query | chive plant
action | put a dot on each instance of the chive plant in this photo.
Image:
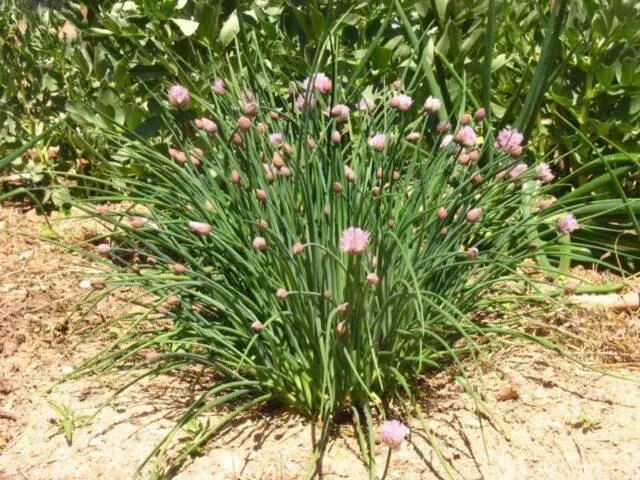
(316, 250)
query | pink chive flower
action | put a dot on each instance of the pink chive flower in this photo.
(244, 123)
(285, 172)
(480, 114)
(545, 174)
(432, 105)
(336, 137)
(443, 126)
(301, 102)
(207, 125)
(342, 307)
(378, 142)
(446, 141)
(340, 112)
(282, 294)
(219, 86)
(250, 109)
(259, 243)
(297, 248)
(137, 222)
(257, 326)
(466, 137)
(200, 228)
(354, 240)
(349, 174)
(311, 143)
(465, 119)
(402, 102)
(442, 213)
(516, 171)
(412, 137)
(319, 81)
(393, 433)
(276, 139)
(366, 105)
(372, 278)
(179, 268)
(509, 141)
(178, 155)
(472, 253)
(567, 223)
(103, 249)
(474, 214)
(179, 96)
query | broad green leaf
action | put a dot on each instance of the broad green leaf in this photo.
(187, 27)
(229, 29)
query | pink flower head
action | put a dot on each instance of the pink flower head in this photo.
(472, 253)
(516, 171)
(103, 249)
(466, 137)
(282, 294)
(200, 228)
(509, 141)
(250, 108)
(244, 123)
(311, 143)
(137, 222)
(354, 240)
(259, 243)
(443, 126)
(378, 142)
(402, 102)
(301, 102)
(349, 174)
(442, 213)
(480, 114)
(474, 214)
(297, 248)
(207, 125)
(432, 105)
(218, 86)
(393, 433)
(277, 160)
(340, 112)
(567, 224)
(465, 119)
(177, 155)
(412, 137)
(336, 137)
(372, 278)
(33, 153)
(285, 172)
(446, 141)
(276, 139)
(320, 82)
(179, 268)
(545, 175)
(235, 177)
(366, 105)
(179, 96)
(341, 327)
(257, 326)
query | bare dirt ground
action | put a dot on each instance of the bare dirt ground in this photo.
(548, 417)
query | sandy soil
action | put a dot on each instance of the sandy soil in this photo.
(548, 418)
